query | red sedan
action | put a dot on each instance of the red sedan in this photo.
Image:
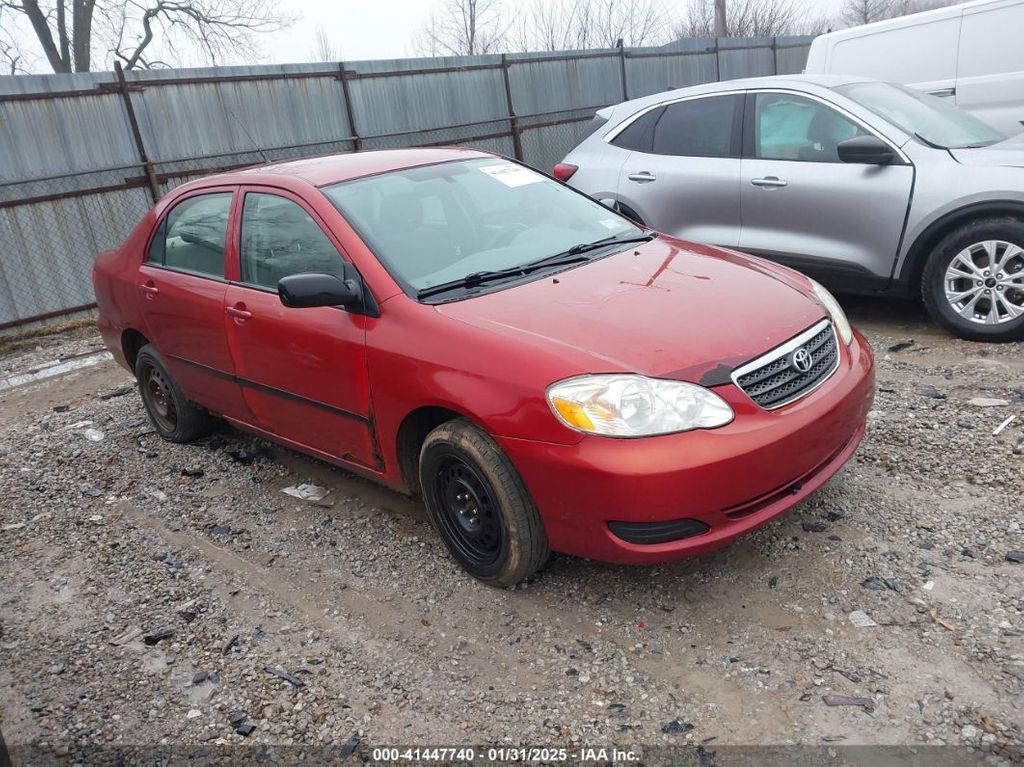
(544, 373)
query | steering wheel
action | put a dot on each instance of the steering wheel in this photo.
(505, 235)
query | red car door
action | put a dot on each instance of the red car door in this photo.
(303, 371)
(182, 287)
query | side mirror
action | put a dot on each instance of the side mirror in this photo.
(865, 150)
(301, 291)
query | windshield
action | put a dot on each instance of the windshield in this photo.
(930, 118)
(438, 223)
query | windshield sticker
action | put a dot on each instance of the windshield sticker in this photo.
(512, 175)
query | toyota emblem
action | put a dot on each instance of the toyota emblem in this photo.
(801, 360)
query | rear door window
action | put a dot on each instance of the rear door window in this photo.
(191, 237)
(703, 127)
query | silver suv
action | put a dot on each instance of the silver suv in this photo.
(868, 186)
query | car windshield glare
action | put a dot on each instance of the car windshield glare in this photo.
(928, 117)
(435, 224)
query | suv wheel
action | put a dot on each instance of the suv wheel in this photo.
(973, 284)
(479, 505)
(174, 417)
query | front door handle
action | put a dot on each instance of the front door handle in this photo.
(769, 182)
(943, 93)
(239, 312)
(642, 178)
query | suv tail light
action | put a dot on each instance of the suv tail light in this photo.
(563, 171)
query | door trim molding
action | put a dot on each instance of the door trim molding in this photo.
(273, 390)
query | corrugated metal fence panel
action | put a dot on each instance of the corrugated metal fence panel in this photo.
(427, 102)
(745, 57)
(238, 117)
(687, 63)
(49, 248)
(540, 84)
(791, 54)
(62, 133)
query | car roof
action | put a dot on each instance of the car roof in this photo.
(332, 169)
(798, 81)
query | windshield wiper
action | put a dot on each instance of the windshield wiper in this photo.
(573, 255)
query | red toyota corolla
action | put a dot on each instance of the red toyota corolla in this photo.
(546, 374)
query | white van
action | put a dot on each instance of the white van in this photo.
(972, 53)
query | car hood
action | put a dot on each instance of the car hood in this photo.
(1009, 154)
(665, 308)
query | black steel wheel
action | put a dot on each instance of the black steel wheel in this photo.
(173, 416)
(480, 506)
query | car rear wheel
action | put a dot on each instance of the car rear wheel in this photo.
(174, 417)
(973, 284)
(480, 506)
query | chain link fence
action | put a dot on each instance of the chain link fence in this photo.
(84, 156)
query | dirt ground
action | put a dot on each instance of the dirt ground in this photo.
(382, 640)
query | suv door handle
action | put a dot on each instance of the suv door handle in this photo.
(769, 182)
(943, 93)
(151, 290)
(239, 312)
(642, 178)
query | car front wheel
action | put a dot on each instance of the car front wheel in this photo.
(973, 284)
(480, 506)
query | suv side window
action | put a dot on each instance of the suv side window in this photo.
(191, 237)
(639, 134)
(279, 238)
(790, 127)
(701, 127)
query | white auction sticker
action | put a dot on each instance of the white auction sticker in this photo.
(512, 175)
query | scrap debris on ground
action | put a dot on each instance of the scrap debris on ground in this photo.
(199, 594)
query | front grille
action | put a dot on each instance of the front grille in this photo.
(773, 380)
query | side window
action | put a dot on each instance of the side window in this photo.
(191, 237)
(279, 238)
(698, 128)
(788, 127)
(638, 135)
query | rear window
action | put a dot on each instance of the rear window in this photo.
(638, 136)
(592, 127)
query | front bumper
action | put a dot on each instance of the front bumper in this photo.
(732, 479)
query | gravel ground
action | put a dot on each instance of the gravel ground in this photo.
(151, 593)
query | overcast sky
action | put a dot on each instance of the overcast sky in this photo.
(357, 29)
(383, 29)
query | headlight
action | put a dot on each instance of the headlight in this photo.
(629, 405)
(835, 311)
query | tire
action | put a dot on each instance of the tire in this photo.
(480, 506)
(969, 252)
(172, 415)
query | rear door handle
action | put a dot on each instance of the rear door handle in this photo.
(642, 178)
(769, 182)
(239, 312)
(151, 290)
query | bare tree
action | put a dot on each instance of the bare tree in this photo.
(564, 24)
(146, 33)
(324, 49)
(463, 28)
(857, 12)
(743, 18)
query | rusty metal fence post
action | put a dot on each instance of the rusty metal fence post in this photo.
(147, 165)
(513, 121)
(357, 142)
